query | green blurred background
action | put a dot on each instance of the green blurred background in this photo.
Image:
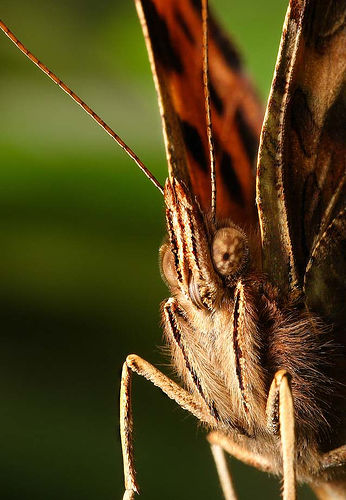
(80, 229)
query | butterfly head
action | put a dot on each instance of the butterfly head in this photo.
(203, 263)
(202, 260)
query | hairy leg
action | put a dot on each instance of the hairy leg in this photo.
(174, 391)
(334, 459)
(238, 452)
(223, 471)
(335, 462)
(280, 418)
(219, 443)
(335, 490)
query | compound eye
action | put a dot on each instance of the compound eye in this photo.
(230, 251)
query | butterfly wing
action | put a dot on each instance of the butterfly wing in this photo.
(173, 33)
(301, 170)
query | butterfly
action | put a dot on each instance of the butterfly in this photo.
(255, 318)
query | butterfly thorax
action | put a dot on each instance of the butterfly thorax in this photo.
(228, 332)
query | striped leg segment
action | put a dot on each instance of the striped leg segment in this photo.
(184, 399)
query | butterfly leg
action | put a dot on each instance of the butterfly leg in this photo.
(223, 472)
(184, 399)
(219, 443)
(334, 458)
(280, 418)
(239, 452)
(334, 462)
(334, 490)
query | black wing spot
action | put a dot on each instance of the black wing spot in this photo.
(181, 21)
(303, 122)
(230, 180)
(322, 21)
(225, 46)
(311, 214)
(247, 136)
(335, 119)
(194, 144)
(161, 41)
(222, 41)
(197, 5)
(215, 98)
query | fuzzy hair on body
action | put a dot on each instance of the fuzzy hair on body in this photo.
(228, 338)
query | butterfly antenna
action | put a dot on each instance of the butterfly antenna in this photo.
(207, 107)
(81, 103)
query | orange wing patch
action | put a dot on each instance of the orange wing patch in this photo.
(173, 31)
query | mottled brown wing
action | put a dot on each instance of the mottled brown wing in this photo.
(301, 169)
(173, 32)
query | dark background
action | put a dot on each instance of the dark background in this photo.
(80, 229)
